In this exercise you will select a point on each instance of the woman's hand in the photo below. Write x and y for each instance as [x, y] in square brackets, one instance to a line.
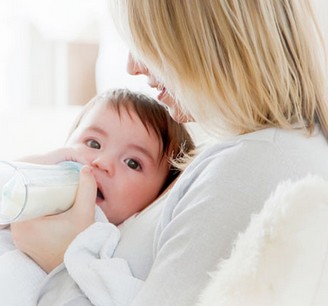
[46, 239]
[53, 157]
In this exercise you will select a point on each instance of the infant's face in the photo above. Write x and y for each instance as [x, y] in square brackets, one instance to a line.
[125, 157]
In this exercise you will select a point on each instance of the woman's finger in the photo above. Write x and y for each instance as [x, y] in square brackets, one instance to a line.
[86, 195]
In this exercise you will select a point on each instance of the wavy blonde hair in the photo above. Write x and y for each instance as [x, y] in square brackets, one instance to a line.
[236, 66]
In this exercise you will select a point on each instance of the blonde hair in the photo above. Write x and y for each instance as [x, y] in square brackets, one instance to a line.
[235, 66]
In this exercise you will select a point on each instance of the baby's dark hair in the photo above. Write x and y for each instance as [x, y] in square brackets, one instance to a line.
[177, 144]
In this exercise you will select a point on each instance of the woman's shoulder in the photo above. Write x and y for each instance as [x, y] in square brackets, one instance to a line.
[233, 148]
[266, 154]
[270, 141]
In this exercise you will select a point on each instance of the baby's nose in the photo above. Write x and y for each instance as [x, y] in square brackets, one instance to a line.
[104, 164]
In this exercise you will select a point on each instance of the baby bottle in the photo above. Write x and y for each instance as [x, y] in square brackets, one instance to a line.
[31, 190]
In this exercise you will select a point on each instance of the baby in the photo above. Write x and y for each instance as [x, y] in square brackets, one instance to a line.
[135, 151]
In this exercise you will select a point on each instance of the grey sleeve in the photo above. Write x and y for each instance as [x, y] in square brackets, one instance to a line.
[60, 289]
[79, 301]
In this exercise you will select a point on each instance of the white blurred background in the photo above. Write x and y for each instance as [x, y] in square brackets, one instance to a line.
[55, 55]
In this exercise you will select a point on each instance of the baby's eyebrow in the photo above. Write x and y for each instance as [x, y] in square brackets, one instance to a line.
[144, 151]
[97, 130]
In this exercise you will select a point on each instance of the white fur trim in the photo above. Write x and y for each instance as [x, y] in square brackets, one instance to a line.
[281, 259]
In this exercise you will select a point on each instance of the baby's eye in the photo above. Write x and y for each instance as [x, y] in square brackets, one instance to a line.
[133, 164]
[93, 144]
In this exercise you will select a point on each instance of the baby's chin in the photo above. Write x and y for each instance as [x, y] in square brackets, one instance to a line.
[101, 203]
[100, 215]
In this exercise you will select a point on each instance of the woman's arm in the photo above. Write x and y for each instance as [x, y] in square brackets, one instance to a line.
[46, 239]
[20, 279]
[6, 241]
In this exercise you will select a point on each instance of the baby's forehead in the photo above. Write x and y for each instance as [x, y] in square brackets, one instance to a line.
[143, 111]
[129, 110]
[151, 115]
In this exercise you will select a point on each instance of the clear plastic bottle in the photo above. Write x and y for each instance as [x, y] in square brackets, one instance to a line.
[31, 190]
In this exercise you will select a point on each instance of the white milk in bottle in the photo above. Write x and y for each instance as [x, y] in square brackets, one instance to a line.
[32, 190]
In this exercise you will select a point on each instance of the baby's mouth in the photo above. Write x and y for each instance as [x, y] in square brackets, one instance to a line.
[100, 195]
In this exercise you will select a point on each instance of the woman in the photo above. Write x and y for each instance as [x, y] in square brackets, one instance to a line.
[249, 70]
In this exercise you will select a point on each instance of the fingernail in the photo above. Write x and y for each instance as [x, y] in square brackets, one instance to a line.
[86, 169]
